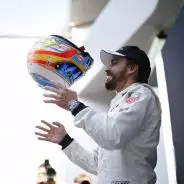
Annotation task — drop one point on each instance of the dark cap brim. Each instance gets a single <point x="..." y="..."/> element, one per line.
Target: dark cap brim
<point x="106" y="56"/>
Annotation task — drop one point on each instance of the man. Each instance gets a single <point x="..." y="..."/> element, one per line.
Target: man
<point x="127" y="135"/>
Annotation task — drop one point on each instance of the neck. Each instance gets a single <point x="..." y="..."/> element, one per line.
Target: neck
<point x="123" y="85"/>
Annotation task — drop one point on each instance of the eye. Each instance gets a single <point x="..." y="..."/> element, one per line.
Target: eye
<point x="114" y="61"/>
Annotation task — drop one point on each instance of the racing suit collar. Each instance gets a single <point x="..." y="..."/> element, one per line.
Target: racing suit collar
<point x="123" y="92"/>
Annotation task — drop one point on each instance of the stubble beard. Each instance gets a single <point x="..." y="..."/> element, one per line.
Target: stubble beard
<point x="111" y="83"/>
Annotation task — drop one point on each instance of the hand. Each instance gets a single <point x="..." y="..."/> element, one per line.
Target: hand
<point x="54" y="132"/>
<point x="61" y="96"/>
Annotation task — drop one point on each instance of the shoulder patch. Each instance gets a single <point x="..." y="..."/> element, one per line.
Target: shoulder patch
<point x="132" y="97"/>
<point x="131" y="100"/>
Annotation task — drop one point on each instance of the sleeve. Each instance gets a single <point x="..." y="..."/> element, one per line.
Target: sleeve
<point x="81" y="157"/>
<point x="112" y="132"/>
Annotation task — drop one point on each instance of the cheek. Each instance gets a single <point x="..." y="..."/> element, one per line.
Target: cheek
<point x="115" y="70"/>
<point x="119" y="72"/>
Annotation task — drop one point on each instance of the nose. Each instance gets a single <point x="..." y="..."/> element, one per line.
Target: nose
<point x="108" y="68"/>
<point x="107" y="71"/>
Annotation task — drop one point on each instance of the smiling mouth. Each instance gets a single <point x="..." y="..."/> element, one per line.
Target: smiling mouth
<point x="108" y="77"/>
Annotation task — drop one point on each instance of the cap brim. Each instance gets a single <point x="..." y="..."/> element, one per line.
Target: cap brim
<point x="106" y="56"/>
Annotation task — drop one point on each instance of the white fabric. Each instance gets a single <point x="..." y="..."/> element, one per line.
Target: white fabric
<point x="127" y="137"/>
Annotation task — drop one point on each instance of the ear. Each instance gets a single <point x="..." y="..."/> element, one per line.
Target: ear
<point x="133" y="68"/>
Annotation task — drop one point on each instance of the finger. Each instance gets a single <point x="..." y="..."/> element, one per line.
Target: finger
<point x="40" y="134"/>
<point x="42" y="128"/>
<point x="48" y="88"/>
<point x="57" y="124"/>
<point x="43" y="139"/>
<point x="46" y="123"/>
<point x="58" y="92"/>
<point x="56" y="96"/>
<point x="57" y="102"/>
<point x="51" y="101"/>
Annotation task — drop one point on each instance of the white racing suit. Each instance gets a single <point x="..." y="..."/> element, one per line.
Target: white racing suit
<point x="127" y="137"/>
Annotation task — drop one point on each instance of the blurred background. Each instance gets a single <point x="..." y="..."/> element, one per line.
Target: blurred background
<point x="156" y="26"/>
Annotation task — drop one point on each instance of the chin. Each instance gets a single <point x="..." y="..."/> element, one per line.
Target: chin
<point x="110" y="86"/>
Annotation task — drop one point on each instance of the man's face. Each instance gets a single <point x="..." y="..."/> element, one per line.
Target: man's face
<point x="116" y="72"/>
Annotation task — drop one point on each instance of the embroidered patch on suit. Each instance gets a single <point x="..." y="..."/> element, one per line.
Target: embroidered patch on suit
<point x="131" y="100"/>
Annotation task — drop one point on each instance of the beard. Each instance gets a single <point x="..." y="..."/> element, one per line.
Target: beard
<point x="111" y="83"/>
<point x="113" y="80"/>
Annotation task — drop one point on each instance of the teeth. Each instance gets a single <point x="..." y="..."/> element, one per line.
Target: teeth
<point x="109" y="77"/>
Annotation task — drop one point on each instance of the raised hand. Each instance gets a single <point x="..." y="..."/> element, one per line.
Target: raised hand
<point x="54" y="132"/>
<point x="60" y="96"/>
